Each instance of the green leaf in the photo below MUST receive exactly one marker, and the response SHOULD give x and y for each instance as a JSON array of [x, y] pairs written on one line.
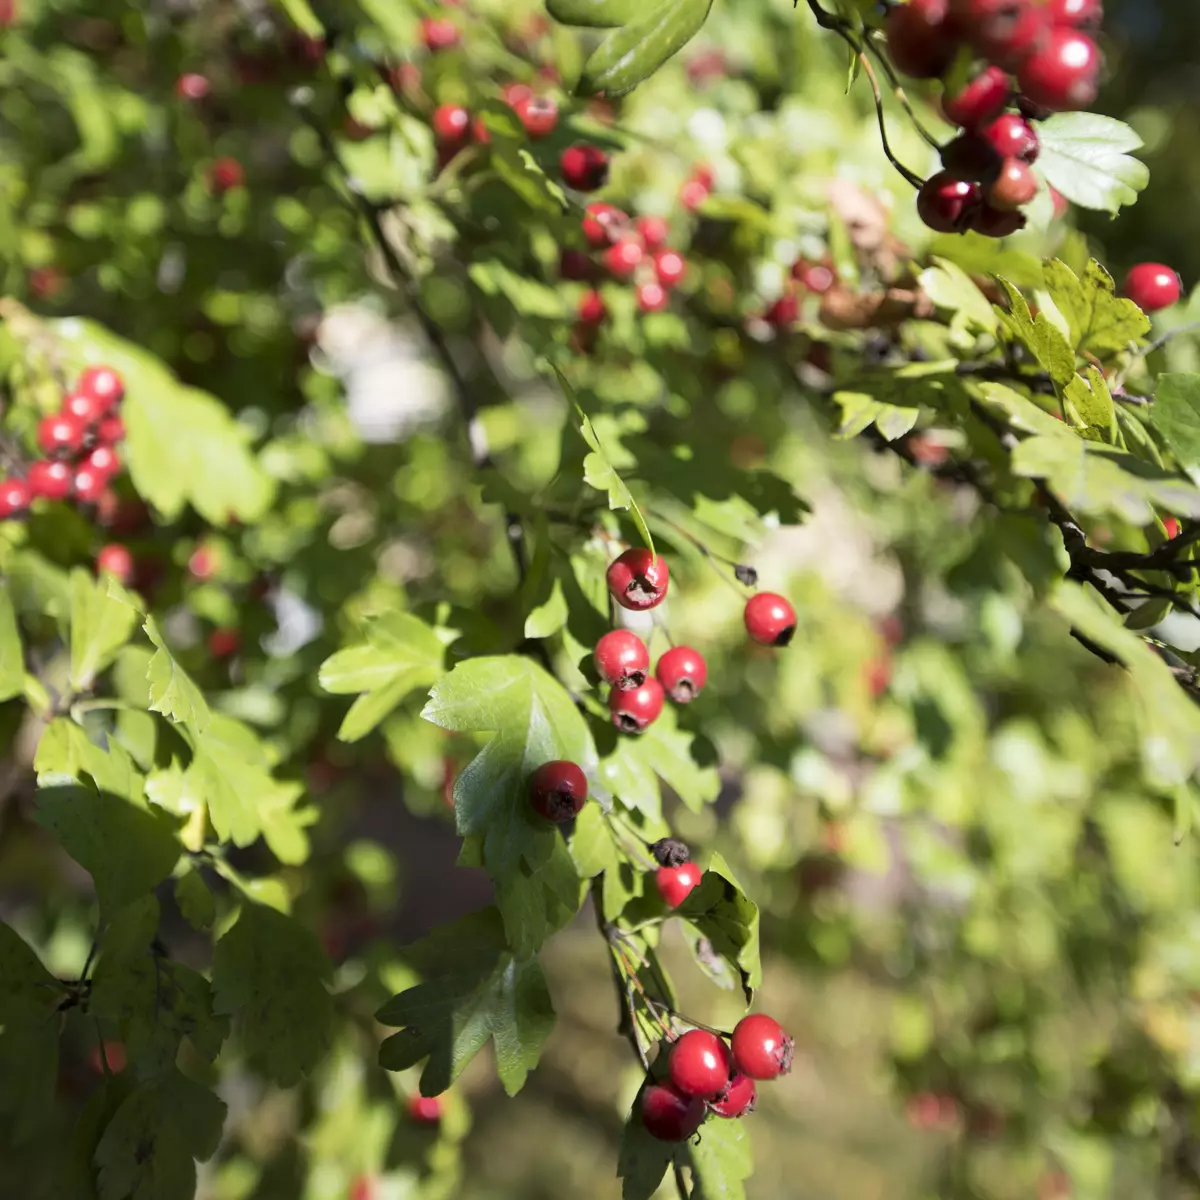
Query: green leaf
[[12, 657], [1088, 402], [401, 655], [1020, 412], [1176, 415], [1040, 336], [25, 985], [66, 752], [534, 721], [126, 849], [301, 15], [529, 297], [860, 411], [475, 989], [269, 974], [195, 901], [669, 752], [1085, 156], [953, 290], [28, 1073], [722, 1159], [723, 914], [634, 52], [550, 616], [149, 1148], [172, 691], [642, 1160], [594, 14], [1100, 322], [100, 625]]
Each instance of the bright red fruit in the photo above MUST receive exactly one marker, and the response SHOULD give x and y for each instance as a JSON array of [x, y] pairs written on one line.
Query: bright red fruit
[[652, 297], [84, 408], [224, 175], [1005, 32], [61, 433], [88, 484], [694, 193], [104, 385], [668, 1114], [633, 709], [1011, 136], [676, 884], [103, 459], [669, 266], [921, 41], [770, 619], [602, 223], [638, 579], [761, 1047], [223, 643], [592, 309], [700, 1064], [1171, 526], [683, 673], [738, 1099], [557, 790], [1013, 188], [439, 33], [584, 167], [784, 312], [115, 560], [983, 98], [622, 659], [192, 87], [202, 564], [654, 231], [946, 203], [1064, 74], [817, 277], [425, 1110], [15, 496], [623, 258], [50, 479], [1079, 14], [451, 124], [110, 430], [539, 115], [1153, 286]]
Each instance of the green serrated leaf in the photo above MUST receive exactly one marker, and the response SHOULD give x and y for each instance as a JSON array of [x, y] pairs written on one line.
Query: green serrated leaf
[[723, 914], [269, 975], [172, 691], [195, 901], [12, 657], [1085, 156], [1019, 411], [529, 297], [1100, 322], [636, 50], [594, 14], [25, 985], [475, 989], [100, 625], [670, 752], [953, 290], [722, 1159], [1176, 415], [642, 1160], [860, 411], [1088, 403], [550, 616], [1039, 335]]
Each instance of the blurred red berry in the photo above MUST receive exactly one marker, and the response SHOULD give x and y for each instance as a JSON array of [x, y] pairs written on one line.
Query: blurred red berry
[[223, 643], [192, 87], [15, 496], [224, 175], [104, 385], [439, 33], [584, 167], [116, 560], [49, 479]]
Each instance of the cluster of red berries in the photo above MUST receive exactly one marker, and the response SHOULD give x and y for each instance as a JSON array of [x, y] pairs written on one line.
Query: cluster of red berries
[[79, 443], [454, 128], [705, 1074], [987, 177]]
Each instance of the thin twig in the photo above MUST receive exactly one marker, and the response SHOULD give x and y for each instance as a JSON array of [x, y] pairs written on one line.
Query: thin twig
[[627, 1025], [680, 1184]]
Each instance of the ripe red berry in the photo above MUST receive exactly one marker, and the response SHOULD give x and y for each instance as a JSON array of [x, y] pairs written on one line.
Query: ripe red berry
[[738, 1098], [683, 673], [1011, 136], [557, 790], [592, 309], [770, 619], [224, 175], [970, 157], [693, 194], [622, 258], [638, 579], [88, 484], [817, 277], [84, 408], [362, 1187], [761, 1047], [946, 203], [192, 87], [654, 232], [1064, 74], [676, 884], [700, 1064], [439, 33], [669, 1115], [784, 312], [46, 282], [425, 1110], [103, 459], [15, 496], [60, 433], [602, 223], [622, 659], [980, 100], [575, 265], [669, 266], [996, 223], [1005, 32], [115, 559], [652, 297], [584, 167], [202, 564], [104, 385], [633, 709], [50, 479], [921, 41], [451, 124], [1013, 188], [1079, 14], [1153, 286], [222, 643], [539, 115], [110, 431]]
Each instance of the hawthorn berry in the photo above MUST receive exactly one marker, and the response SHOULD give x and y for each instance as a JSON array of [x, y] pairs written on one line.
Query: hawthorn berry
[[638, 579], [693, 194], [1011, 136], [425, 1110], [15, 496], [738, 1098], [539, 116], [602, 223], [202, 564], [623, 257], [1005, 32], [115, 559], [816, 277], [82, 407], [1153, 286], [88, 484], [996, 222], [439, 33], [700, 1064], [921, 41], [104, 459], [633, 709], [784, 312], [669, 266], [622, 659], [668, 1114], [1013, 188], [224, 175], [584, 167], [574, 265], [110, 430], [557, 790], [652, 296], [592, 309], [761, 1047], [451, 124], [971, 157], [1079, 14], [516, 93], [362, 1187], [224, 642], [980, 100], [653, 232], [192, 87], [104, 385], [676, 884], [946, 202], [770, 619], [49, 479], [60, 433], [683, 673], [1064, 74]]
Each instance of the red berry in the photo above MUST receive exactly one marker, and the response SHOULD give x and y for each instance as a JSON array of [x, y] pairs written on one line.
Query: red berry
[[1061, 204], [451, 124], [110, 431], [676, 884], [996, 223], [115, 560], [946, 203], [978, 101], [1005, 32], [652, 297], [192, 87], [670, 267], [1013, 188], [202, 564], [693, 194], [557, 790], [784, 312], [584, 167], [761, 1048], [222, 643], [623, 258], [921, 41], [683, 673], [1079, 14], [970, 157], [1011, 136], [104, 385], [602, 223], [15, 496], [633, 709], [1064, 74], [103, 459], [738, 1098], [224, 175], [622, 659], [669, 1115], [1153, 286], [817, 277], [770, 619], [638, 579], [362, 1187], [700, 1064], [439, 33], [61, 433], [425, 1110], [88, 484], [574, 265], [46, 282], [592, 309], [84, 408], [50, 479], [654, 232], [539, 115]]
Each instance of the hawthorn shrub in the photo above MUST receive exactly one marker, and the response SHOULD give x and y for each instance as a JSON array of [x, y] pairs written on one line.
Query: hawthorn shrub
[[690, 452]]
